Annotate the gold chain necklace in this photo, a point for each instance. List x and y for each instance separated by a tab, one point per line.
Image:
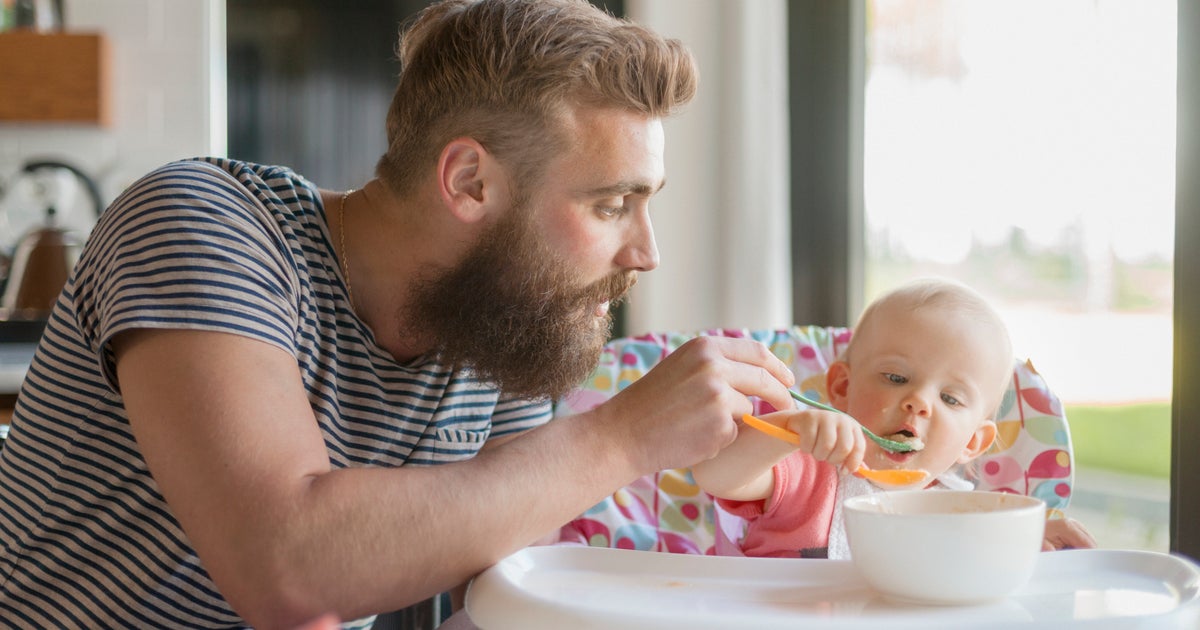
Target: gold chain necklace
342	242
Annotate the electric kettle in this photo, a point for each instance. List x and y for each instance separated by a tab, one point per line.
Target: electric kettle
44	257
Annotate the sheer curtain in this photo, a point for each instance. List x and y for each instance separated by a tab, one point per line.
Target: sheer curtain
722	221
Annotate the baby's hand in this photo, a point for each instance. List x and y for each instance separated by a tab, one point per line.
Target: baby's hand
1066	533
829	437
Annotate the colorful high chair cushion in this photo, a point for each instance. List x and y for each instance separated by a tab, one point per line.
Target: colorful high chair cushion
667	512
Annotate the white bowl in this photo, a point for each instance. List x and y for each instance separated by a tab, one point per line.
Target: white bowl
945	546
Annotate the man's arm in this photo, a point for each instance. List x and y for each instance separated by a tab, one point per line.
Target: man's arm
225	427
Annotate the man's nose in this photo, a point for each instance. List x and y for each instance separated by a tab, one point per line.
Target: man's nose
640	251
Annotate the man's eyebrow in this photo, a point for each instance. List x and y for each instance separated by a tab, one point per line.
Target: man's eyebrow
625	188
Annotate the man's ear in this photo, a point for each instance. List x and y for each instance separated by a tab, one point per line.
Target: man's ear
837	384
470	180
979	443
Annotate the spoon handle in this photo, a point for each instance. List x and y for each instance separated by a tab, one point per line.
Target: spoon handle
774	431
890	445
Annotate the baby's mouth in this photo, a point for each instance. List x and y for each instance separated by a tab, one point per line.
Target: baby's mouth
906	436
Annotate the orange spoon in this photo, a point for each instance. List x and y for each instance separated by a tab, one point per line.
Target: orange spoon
891	477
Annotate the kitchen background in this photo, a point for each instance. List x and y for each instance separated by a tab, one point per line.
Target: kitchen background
165	89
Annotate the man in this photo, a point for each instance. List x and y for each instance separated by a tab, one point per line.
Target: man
258	401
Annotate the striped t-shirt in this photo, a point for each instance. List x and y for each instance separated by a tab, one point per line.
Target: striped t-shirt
86	540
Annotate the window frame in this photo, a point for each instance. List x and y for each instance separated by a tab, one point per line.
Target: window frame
1185	434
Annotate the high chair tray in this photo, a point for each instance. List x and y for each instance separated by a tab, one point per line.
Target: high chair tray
578	588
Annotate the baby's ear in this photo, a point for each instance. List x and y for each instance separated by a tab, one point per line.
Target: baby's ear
979	443
837	383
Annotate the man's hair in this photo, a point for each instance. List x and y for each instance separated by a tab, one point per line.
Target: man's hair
503	71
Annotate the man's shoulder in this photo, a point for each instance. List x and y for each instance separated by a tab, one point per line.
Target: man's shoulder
250	174
250	188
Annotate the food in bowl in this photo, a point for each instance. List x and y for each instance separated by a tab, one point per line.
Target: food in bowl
945	547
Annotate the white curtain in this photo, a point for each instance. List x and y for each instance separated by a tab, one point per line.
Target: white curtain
722	220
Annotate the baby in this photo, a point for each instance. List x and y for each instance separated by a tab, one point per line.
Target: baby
928	365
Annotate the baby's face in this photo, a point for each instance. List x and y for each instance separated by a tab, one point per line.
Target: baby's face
933	374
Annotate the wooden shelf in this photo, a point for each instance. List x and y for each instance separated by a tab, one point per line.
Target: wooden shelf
53	77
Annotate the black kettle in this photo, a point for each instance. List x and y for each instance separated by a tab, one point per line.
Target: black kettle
44	257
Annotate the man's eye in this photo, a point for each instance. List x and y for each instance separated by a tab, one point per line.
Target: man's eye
610	211
895	378
950	400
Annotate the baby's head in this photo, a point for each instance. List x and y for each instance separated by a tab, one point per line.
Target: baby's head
929	361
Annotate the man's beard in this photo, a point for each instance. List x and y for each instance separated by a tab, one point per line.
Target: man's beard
514	312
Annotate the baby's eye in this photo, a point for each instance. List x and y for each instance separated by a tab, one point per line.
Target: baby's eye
950	400
895	378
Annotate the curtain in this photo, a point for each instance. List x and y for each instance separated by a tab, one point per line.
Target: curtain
722	221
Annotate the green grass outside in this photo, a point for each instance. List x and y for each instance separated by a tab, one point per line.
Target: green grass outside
1126	438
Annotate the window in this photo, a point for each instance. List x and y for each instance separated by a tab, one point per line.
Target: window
1027	148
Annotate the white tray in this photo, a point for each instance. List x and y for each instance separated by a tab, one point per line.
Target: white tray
576	588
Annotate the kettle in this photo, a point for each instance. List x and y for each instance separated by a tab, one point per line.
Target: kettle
45	256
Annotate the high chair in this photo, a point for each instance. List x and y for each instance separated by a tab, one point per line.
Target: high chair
667	512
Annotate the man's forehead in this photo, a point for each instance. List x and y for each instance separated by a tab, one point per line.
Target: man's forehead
610	153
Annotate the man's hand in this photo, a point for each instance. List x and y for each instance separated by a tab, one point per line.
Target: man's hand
685	409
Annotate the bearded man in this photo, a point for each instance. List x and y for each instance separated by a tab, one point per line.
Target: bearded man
258	401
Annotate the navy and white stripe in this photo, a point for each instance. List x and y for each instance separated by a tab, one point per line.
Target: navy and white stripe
86	540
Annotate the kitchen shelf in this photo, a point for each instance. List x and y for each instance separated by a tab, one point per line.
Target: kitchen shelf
53	77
